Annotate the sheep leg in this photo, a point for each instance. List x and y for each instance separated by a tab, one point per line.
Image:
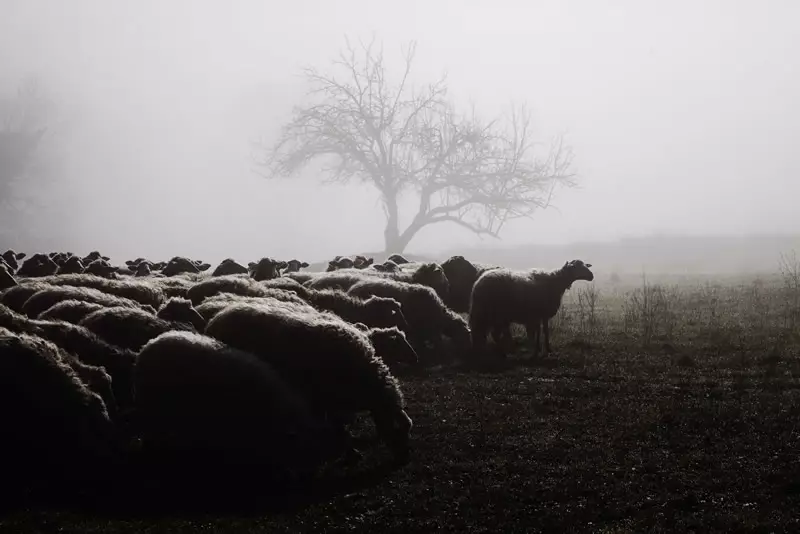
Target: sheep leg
546	328
532	332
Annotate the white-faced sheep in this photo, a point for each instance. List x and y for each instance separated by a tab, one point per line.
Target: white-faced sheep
6	278
53	424
501	297
83	344
198	395
375	312
331	362
229	266
71	311
427	315
142	292
44	299
130	328
266	269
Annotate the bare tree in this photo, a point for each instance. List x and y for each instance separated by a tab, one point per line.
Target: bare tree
402	139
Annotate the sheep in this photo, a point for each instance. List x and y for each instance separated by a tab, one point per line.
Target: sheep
386	267
71	311
294	265
143	270
52	422
503	296
427	315
229	266
397	259
331	362
72	265
266	269
392	345
44	299
178	310
15	297
176	286
129	328
179	265
287	284
236	285
12	259
428	274
101	268
213	305
82	343
38	265
94	256
340	262
142	292
6	278
196	394
375	312
302	278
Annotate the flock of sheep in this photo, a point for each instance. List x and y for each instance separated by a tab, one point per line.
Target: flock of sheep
264	363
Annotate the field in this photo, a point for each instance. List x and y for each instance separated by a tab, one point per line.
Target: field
668	406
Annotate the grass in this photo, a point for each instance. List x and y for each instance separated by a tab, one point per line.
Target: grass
667	407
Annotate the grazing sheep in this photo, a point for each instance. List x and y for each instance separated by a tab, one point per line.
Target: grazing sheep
12	259
178	310
501	297
82	343
331	362
198	395
71	311
140	291
294	265
37	266
229	266
397	259
213	305
427	274
302	278
266	269
246	287
53	424
180	265
15	297
6	278
72	265
129	328
287	284
391	344
427	315
44	299
375	312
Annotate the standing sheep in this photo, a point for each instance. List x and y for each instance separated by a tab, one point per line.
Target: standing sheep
501	297
266	269
332	363
375	312
195	394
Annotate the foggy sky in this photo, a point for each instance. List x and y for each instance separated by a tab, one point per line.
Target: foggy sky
683	116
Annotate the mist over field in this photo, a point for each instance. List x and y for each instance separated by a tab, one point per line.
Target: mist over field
682	118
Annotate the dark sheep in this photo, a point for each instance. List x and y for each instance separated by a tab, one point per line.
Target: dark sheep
287	284
198	395
229	266
178	310
37	266
375	312
82	343
142	292
176	286
294	265
44	299
331	362
53	424
427	315
143	270
101	268
12	259
392	345
129	328
71	311
237	285
386	267
6	278
266	269
72	265
462	274
501	297
15	297
180	265
94	256
397	259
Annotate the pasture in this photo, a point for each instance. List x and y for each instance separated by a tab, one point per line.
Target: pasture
668	405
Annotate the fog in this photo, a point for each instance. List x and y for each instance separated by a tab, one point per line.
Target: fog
683	116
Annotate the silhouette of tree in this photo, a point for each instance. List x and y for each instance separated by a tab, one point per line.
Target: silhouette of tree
473	173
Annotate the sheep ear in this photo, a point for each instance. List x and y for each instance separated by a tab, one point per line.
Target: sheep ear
588	265
105	258
252	264
204	266
21	255
304	265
